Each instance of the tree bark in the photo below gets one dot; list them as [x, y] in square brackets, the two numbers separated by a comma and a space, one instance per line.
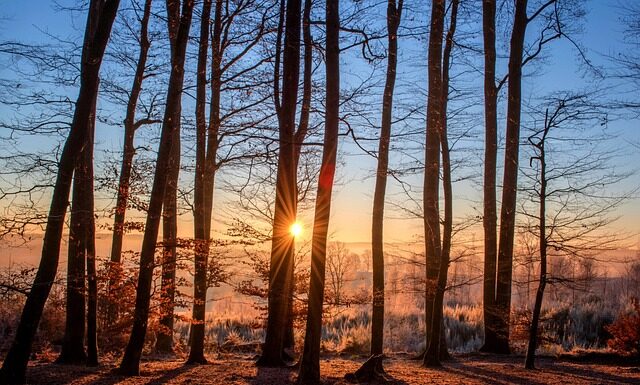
[510, 180]
[310, 364]
[490, 166]
[178, 25]
[99, 22]
[285, 205]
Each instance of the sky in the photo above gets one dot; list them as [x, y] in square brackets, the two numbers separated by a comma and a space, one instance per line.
[32, 20]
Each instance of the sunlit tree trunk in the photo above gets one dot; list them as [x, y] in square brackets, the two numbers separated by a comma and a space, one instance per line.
[310, 363]
[179, 23]
[285, 205]
[99, 21]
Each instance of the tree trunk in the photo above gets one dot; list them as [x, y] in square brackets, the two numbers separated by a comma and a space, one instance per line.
[489, 221]
[127, 164]
[373, 368]
[300, 135]
[285, 205]
[510, 180]
[129, 133]
[441, 92]
[179, 24]
[529, 362]
[164, 340]
[99, 22]
[310, 364]
[207, 148]
[73, 342]
[90, 246]
[446, 165]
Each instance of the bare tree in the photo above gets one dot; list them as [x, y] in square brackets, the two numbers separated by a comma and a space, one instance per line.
[572, 209]
[179, 23]
[99, 21]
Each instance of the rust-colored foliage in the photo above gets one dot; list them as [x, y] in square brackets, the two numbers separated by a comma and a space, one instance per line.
[626, 331]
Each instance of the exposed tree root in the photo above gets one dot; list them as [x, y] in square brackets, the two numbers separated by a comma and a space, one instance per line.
[370, 371]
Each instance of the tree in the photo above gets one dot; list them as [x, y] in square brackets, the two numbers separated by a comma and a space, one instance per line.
[440, 254]
[567, 187]
[489, 220]
[285, 205]
[373, 368]
[179, 23]
[551, 13]
[236, 33]
[99, 22]
[310, 363]
[130, 127]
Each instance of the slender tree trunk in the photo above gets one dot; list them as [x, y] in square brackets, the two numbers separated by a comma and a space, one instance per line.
[373, 368]
[446, 166]
[179, 24]
[99, 22]
[300, 135]
[206, 169]
[510, 179]
[200, 226]
[285, 206]
[437, 345]
[90, 246]
[310, 365]
[164, 341]
[431, 175]
[115, 267]
[529, 362]
[490, 166]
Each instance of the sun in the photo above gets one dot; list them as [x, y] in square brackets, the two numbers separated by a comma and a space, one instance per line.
[296, 229]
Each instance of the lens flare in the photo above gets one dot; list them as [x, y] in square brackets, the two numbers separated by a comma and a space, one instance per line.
[296, 229]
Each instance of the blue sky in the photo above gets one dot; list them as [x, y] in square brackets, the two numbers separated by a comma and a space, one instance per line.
[26, 20]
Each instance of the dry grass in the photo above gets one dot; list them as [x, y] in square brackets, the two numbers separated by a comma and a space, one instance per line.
[240, 370]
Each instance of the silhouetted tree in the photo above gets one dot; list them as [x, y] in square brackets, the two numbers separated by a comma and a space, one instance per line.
[373, 368]
[99, 22]
[310, 363]
[179, 22]
[285, 205]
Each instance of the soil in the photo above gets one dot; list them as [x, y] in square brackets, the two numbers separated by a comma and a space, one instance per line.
[235, 369]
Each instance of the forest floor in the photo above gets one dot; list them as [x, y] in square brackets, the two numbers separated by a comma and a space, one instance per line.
[234, 369]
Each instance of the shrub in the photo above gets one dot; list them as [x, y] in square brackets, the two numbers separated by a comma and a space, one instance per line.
[626, 331]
